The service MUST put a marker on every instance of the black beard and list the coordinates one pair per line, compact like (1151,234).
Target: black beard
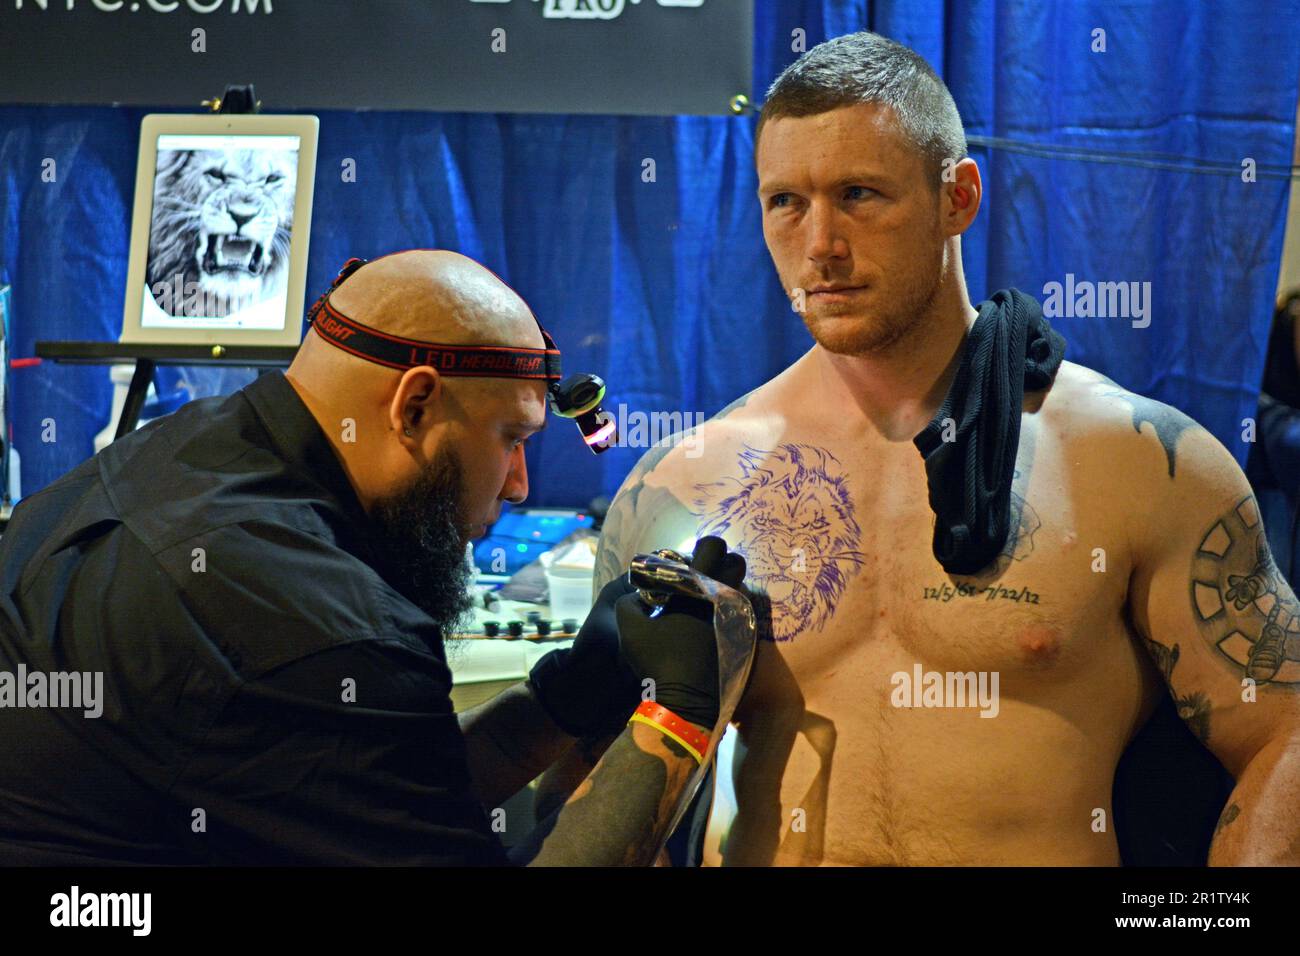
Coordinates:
(419,530)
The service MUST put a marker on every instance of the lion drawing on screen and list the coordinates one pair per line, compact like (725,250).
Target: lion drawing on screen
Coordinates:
(792,510)
(220,229)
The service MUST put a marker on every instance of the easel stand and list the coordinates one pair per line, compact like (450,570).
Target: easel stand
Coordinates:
(148,357)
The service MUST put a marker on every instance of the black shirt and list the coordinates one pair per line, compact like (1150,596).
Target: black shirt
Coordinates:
(214,566)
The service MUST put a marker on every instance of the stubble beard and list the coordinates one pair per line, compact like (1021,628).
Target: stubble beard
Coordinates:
(888,320)
(877,330)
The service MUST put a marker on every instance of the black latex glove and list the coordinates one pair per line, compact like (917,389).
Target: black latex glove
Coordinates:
(587,689)
(677,647)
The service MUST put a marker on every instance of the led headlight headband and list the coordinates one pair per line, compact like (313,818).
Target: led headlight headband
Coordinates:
(577,397)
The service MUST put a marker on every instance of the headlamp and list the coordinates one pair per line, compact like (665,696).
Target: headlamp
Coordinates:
(577,397)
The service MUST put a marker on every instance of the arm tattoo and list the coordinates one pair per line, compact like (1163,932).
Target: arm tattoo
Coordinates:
(618,532)
(1025,520)
(1164,657)
(620,814)
(1194,709)
(1242,603)
(623,524)
(1169,423)
(1243,607)
(609,560)
(1230,813)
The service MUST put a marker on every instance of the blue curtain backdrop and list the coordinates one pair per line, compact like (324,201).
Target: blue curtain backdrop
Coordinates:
(1115,166)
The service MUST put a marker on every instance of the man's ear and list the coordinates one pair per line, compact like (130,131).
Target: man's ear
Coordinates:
(418,401)
(960,193)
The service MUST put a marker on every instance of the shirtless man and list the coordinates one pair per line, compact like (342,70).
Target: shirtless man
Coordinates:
(1139,564)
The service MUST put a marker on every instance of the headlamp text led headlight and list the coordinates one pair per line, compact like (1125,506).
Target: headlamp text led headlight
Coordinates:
(577,397)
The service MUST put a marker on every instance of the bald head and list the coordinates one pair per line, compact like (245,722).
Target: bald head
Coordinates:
(434,296)
(431,295)
(438,296)
(385,422)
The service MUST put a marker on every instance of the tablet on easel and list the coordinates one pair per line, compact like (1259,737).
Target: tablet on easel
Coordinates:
(219,230)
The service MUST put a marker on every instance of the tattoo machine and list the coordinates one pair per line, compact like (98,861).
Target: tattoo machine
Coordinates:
(659,576)
(577,397)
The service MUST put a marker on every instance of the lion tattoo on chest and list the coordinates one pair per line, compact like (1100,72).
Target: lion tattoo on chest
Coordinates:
(792,510)
(221,226)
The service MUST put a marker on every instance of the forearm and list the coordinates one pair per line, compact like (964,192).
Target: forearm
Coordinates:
(620,814)
(561,778)
(509,741)
(1260,825)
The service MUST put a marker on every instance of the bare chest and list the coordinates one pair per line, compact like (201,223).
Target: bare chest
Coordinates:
(866,701)
(841,548)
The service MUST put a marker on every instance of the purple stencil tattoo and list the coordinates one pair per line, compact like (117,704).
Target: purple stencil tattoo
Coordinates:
(793,521)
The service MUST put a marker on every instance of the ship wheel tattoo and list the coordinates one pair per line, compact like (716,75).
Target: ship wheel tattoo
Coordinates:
(1242,601)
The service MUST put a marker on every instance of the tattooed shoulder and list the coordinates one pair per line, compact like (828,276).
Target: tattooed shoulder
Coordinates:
(1167,422)
(637,503)
(655,456)
(733,406)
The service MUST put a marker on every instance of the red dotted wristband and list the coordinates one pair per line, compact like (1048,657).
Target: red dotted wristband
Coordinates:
(670,725)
